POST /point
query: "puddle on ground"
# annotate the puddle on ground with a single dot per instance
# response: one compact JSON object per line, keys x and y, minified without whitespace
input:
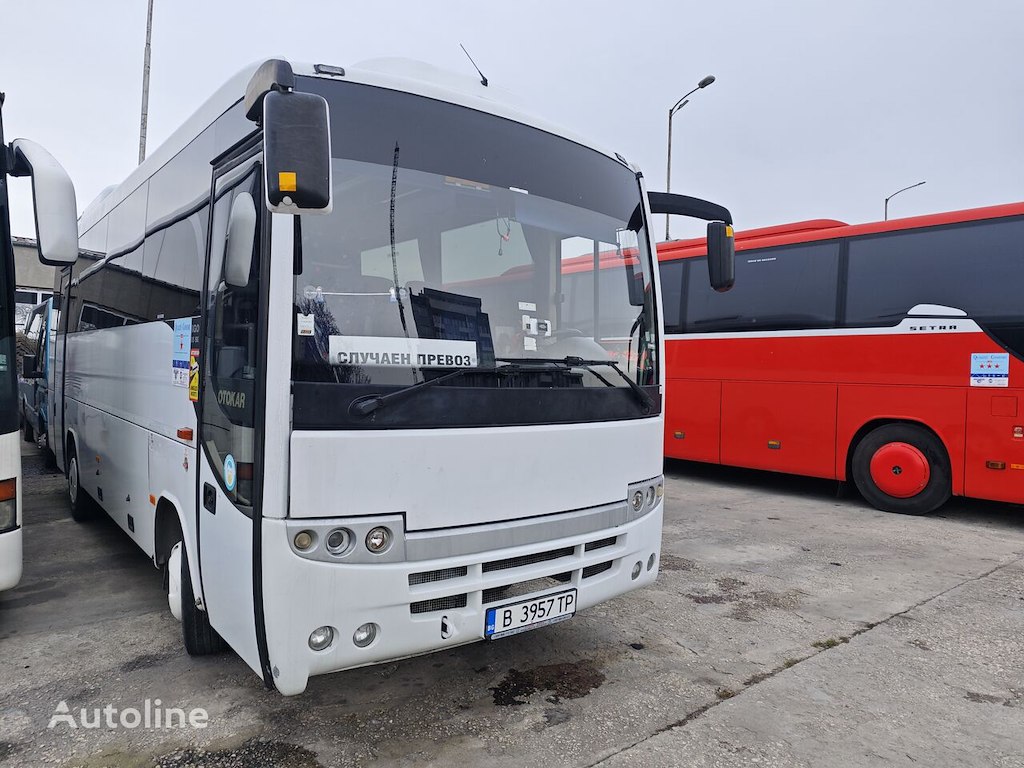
{"x":566,"y":681}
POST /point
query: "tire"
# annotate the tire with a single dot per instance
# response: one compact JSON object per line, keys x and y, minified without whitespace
{"x":902,"y":468}
{"x":200,"y":638}
{"x":83,"y":508}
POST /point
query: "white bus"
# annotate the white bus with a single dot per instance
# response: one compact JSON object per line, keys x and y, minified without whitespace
{"x":317,"y":360}
{"x":55,"y":211}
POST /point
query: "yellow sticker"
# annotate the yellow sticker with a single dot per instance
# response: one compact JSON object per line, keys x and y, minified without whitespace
{"x":1017,"y":466}
{"x":286,"y":181}
{"x":193,"y":376}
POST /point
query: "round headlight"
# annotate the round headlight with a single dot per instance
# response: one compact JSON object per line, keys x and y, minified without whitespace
{"x":303,"y":540}
{"x":649,"y":498}
{"x":637,"y":567}
{"x":378,"y":539}
{"x":365,"y":635}
{"x":638,"y":501}
{"x":320,"y":638}
{"x":660,"y":490}
{"x":338,"y":541}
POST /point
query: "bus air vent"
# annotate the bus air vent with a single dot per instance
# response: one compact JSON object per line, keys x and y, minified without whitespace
{"x":601,"y":544}
{"x":518,"y":562}
{"x":438,"y":604}
{"x":593,"y":570}
{"x":428,"y":577}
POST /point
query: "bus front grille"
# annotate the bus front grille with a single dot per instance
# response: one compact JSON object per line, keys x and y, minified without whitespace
{"x":518,"y":562}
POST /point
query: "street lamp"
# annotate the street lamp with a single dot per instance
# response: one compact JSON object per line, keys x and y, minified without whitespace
{"x":890,"y":197}
{"x":675,"y":108}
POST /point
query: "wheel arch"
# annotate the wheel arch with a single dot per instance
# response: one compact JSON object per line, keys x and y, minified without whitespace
{"x":70,"y":442}
{"x":170,"y":528}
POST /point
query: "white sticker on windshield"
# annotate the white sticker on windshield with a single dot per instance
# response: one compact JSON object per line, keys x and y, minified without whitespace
{"x":378,"y":350}
{"x":529,"y":344}
{"x":305,"y":325}
{"x":527,"y":306}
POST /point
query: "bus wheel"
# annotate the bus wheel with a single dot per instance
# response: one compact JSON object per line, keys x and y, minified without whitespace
{"x":902,"y":468}
{"x":82,"y":506}
{"x":200,"y":638}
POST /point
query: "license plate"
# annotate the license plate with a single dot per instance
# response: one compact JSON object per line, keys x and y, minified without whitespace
{"x":529,"y":614}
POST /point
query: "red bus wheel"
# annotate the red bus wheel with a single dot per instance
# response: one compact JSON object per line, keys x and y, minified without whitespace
{"x":902,"y":468}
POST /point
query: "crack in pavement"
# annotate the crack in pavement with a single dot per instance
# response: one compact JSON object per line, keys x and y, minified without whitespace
{"x":791,"y":663}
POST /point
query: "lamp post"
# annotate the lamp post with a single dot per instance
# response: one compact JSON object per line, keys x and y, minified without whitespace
{"x":890,"y":197}
{"x":675,"y":108}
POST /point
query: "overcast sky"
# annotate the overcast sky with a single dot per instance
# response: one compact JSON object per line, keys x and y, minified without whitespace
{"x":820,"y":108}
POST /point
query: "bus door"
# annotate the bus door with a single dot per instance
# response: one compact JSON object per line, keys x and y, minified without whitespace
{"x":55,"y":371}
{"x":229,"y":361}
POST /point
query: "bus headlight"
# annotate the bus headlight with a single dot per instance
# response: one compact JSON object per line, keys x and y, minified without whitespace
{"x":339,"y":541}
{"x":644,"y":496}
{"x":303,"y":540}
{"x":638,"y":501}
{"x":378,"y":539}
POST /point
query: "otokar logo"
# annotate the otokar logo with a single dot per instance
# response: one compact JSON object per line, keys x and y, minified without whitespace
{"x":152,"y":716}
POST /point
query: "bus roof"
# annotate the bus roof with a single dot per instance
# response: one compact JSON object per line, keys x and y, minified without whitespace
{"x":398,"y":74}
{"x":827,"y":229}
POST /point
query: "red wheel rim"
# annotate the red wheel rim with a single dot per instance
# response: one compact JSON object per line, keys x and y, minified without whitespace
{"x":900,"y":470}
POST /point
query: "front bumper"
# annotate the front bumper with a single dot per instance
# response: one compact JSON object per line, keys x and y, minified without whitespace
{"x":428,"y":605}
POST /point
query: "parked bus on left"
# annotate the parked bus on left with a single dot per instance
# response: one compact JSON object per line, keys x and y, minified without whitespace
{"x":57,"y":235}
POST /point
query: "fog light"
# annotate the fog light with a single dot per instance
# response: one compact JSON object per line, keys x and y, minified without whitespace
{"x":636,"y":570}
{"x":303,"y":540}
{"x":378,"y":540}
{"x":338,"y":541}
{"x":638,"y":501}
{"x":365,"y":635}
{"x":650,"y":561}
{"x":321,"y":638}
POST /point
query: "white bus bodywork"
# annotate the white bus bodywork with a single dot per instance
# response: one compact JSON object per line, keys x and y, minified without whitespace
{"x":473,"y":510}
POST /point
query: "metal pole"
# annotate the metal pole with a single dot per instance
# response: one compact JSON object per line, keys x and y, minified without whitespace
{"x":145,"y":85}
{"x":668,"y":171}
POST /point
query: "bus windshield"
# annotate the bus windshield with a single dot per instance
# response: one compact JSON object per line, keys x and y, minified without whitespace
{"x":464,"y":240}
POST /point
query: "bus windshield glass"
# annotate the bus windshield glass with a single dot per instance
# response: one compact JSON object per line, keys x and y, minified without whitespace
{"x":463,"y":240}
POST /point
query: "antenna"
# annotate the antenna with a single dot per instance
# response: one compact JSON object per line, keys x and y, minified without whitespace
{"x":483,"y":80}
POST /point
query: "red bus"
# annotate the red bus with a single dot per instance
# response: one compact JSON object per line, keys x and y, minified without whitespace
{"x":889,"y":353}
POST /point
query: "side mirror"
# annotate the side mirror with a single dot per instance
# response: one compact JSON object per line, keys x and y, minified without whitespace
{"x":296,"y":152}
{"x":240,"y":241}
{"x":54,"y":198}
{"x":721,"y":256}
{"x":28,"y":367}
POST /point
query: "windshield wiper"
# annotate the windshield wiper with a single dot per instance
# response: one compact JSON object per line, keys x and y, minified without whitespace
{"x":367,"y":404}
{"x":578,"y":362}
